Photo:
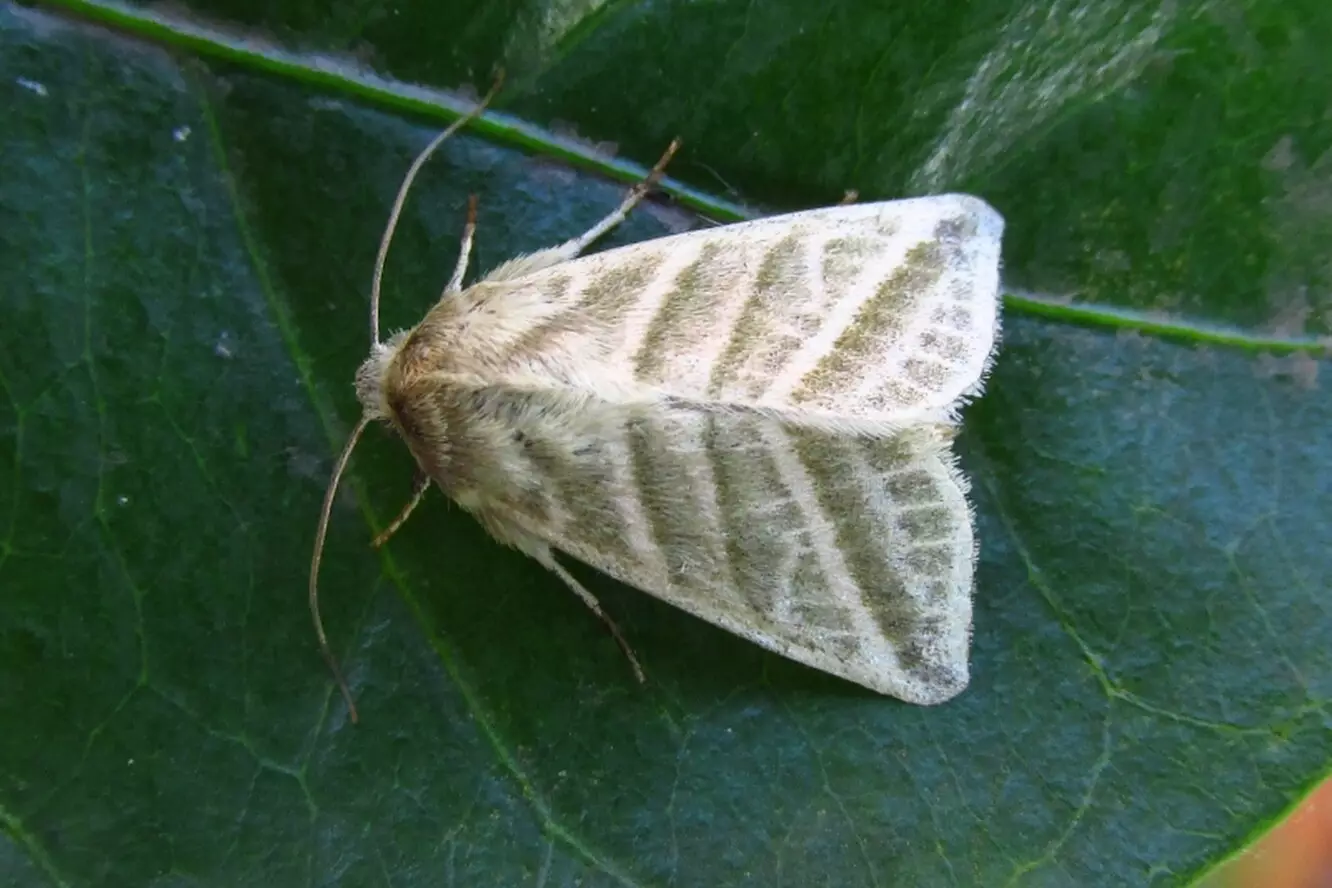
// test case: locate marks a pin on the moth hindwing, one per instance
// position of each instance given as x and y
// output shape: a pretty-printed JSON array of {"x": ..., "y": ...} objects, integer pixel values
[{"x": 751, "y": 422}]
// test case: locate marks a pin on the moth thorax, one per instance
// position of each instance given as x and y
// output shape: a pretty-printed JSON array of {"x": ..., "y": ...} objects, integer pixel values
[{"x": 370, "y": 380}]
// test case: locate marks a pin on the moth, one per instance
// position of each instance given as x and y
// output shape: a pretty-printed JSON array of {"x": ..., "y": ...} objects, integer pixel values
[{"x": 752, "y": 422}]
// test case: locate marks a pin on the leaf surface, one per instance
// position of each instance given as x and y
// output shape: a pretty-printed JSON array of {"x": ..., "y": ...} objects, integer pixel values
[{"x": 187, "y": 243}]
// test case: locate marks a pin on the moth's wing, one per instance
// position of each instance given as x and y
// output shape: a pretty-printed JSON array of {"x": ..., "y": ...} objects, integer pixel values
[
  {"x": 685, "y": 415},
  {"x": 882, "y": 313},
  {"x": 853, "y": 555}
]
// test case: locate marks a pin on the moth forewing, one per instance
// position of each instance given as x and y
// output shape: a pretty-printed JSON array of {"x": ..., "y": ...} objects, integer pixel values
[
  {"x": 863, "y": 317},
  {"x": 751, "y": 422}
]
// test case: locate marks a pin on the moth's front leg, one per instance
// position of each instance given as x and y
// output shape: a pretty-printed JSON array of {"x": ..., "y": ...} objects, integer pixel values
[
  {"x": 419, "y": 487},
  {"x": 570, "y": 249}
]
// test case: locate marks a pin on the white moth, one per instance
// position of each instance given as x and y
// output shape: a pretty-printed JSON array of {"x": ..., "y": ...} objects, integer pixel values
[{"x": 751, "y": 422}]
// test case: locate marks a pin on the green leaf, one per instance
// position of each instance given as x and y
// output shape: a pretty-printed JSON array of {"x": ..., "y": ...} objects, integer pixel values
[{"x": 187, "y": 242}]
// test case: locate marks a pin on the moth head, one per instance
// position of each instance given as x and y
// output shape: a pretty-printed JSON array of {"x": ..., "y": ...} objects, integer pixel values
[
  {"x": 371, "y": 377},
  {"x": 370, "y": 383}
]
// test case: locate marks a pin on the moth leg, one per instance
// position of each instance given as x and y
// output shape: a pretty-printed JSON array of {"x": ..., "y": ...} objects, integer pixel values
[
  {"x": 571, "y": 248},
  {"x": 547, "y": 560},
  {"x": 539, "y": 550},
  {"x": 419, "y": 488},
  {"x": 464, "y": 251}
]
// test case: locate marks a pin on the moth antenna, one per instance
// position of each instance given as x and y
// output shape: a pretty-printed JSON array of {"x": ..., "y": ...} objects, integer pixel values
[
  {"x": 402, "y": 198},
  {"x": 464, "y": 249},
  {"x": 320, "y": 533}
]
